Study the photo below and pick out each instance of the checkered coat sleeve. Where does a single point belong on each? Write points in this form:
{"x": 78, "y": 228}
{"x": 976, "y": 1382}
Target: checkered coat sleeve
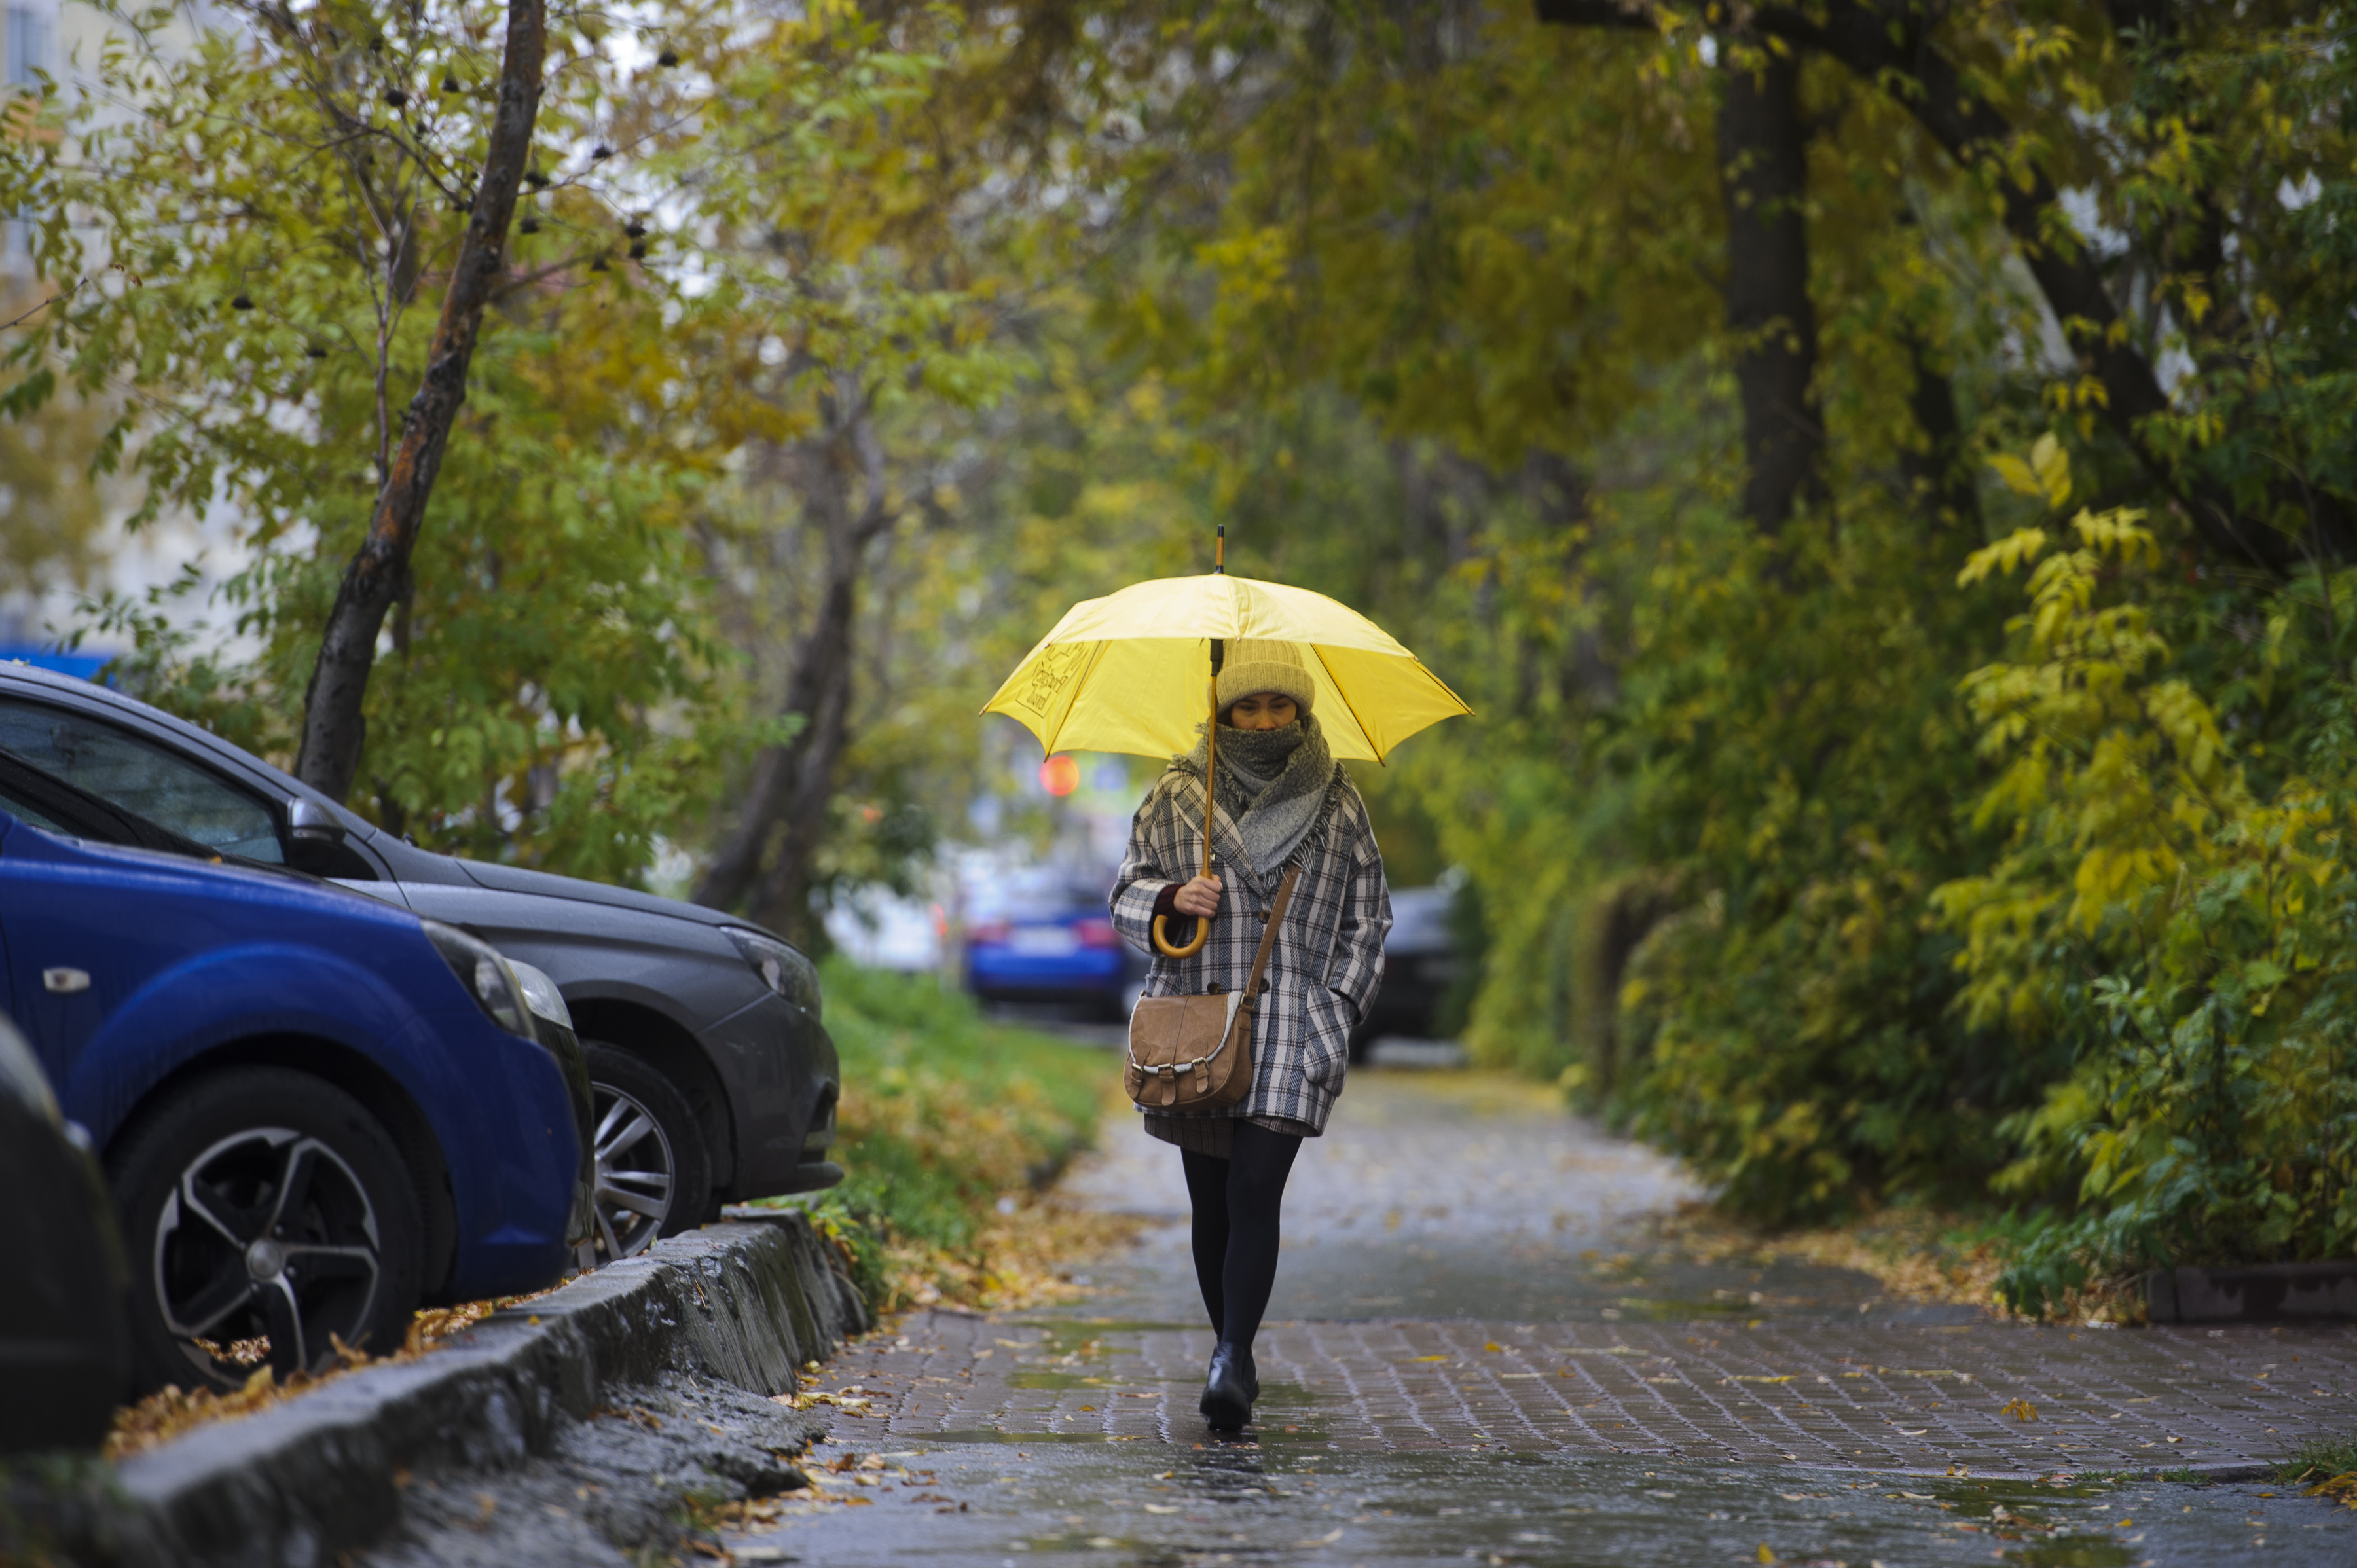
{"x": 1329, "y": 955}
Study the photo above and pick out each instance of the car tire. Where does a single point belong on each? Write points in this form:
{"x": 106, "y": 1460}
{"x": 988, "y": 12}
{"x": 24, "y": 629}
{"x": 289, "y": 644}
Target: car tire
{"x": 653, "y": 1175}
{"x": 266, "y": 1215}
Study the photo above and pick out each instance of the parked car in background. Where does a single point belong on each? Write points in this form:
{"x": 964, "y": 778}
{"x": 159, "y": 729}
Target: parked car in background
{"x": 314, "y": 1110}
{"x": 61, "y": 1337}
{"x": 714, "y": 1076}
{"x": 1421, "y": 965}
{"x": 1043, "y": 936}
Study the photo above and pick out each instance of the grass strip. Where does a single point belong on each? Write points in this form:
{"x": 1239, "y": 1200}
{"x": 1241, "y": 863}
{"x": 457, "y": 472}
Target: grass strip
{"x": 950, "y": 1130}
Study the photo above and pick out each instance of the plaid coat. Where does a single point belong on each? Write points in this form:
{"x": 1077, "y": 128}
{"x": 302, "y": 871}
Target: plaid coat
{"x": 1329, "y": 955}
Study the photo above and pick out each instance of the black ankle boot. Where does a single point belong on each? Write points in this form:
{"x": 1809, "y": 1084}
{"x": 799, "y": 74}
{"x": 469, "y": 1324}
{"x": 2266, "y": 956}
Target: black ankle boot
{"x": 1230, "y": 1390}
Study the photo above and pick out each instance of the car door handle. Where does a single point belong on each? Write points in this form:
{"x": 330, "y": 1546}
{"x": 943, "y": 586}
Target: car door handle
{"x": 65, "y": 982}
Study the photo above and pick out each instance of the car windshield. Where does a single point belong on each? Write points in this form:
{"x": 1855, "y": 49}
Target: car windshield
{"x": 143, "y": 778}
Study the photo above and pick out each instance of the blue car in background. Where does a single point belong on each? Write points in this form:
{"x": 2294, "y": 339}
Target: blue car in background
{"x": 316, "y": 1111}
{"x": 1046, "y": 940}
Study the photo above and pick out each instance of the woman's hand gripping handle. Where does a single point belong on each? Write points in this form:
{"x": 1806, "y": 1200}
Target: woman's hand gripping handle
{"x": 1200, "y": 897}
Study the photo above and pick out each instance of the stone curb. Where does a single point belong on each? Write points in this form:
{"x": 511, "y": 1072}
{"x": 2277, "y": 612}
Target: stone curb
{"x": 2254, "y": 1293}
{"x": 749, "y": 1302}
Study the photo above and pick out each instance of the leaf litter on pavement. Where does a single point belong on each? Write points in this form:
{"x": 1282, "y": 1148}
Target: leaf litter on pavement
{"x": 171, "y": 1411}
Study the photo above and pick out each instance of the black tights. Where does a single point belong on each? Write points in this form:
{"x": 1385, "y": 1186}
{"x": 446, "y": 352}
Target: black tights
{"x": 1235, "y": 1202}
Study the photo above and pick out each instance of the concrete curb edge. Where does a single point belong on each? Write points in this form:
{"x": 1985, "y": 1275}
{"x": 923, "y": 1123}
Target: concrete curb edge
{"x": 750, "y": 1301}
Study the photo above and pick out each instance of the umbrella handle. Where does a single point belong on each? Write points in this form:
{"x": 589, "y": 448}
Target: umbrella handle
{"x": 1163, "y": 944}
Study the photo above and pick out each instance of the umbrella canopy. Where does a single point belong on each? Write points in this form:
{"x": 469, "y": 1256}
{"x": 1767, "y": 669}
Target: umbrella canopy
{"x": 1131, "y": 672}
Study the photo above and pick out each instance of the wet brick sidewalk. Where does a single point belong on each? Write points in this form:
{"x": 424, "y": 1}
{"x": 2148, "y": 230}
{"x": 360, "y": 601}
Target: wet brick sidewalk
{"x": 1458, "y": 1194}
{"x": 1980, "y": 1399}
{"x": 1479, "y": 1352}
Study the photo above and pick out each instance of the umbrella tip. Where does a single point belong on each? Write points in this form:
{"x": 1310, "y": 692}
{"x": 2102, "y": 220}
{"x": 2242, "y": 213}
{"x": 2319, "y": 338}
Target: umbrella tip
{"x": 1220, "y": 554}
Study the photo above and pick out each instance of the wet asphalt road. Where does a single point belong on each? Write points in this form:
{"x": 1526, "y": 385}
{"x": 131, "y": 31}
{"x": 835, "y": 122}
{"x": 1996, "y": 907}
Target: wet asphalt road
{"x": 1475, "y": 1355}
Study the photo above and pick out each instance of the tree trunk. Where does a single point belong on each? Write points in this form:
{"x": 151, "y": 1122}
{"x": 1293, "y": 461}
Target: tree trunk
{"x": 792, "y": 784}
{"x": 1887, "y": 42}
{"x": 334, "y": 725}
{"x": 1936, "y": 474}
{"x": 1763, "y": 186}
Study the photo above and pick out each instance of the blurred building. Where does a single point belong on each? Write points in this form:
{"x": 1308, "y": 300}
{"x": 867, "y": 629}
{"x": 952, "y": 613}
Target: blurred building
{"x": 50, "y": 46}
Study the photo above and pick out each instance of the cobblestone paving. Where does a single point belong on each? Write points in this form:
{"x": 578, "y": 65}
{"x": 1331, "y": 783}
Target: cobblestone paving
{"x": 1983, "y": 1400}
{"x": 1452, "y": 1194}
{"x": 1479, "y": 1354}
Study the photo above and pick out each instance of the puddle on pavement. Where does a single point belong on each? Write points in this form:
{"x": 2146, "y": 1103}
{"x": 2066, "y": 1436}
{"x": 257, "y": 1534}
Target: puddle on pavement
{"x": 1077, "y": 1499}
{"x": 1048, "y": 1378}
{"x": 1020, "y": 1439}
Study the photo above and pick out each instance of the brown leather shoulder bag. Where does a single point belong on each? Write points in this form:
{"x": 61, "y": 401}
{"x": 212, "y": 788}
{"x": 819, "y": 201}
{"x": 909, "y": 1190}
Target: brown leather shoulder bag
{"x": 1194, "y": 1053}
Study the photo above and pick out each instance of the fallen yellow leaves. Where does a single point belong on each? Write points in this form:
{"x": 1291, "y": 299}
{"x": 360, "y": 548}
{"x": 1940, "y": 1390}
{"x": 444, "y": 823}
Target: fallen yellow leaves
{"x": 1024, "y": 1240}
{"x": 851, "y": 1401}
{"x": 2341, "y": 1489}
{"x": 170, "y": 1412}
{"x": 1902, "y": 1250}
{"x": 2020, "y": 1410}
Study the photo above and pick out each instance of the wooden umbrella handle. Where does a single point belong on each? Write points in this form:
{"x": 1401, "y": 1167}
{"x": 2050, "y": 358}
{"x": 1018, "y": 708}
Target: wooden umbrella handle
{"x": 1162, "y": 942}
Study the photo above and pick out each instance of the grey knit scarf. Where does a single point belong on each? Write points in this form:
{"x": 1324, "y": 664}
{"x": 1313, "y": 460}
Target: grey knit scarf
{"x": 1275, "y": 784}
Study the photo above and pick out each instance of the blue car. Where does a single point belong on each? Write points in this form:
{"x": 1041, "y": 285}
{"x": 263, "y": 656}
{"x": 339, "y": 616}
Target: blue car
{"x": 316, "y": 1111}
{"x": 1049, "y": 941}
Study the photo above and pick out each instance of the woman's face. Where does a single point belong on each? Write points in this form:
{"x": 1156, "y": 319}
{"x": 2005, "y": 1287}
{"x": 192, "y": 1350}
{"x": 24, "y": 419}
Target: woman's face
{"x": 1262, "y": 710}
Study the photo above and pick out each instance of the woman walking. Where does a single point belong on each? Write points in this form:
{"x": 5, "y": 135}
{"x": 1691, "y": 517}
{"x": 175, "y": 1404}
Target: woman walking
{"x": 1282, "y": 802}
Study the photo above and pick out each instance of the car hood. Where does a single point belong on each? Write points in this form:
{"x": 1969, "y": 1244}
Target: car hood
{"x": 548, "y": 884}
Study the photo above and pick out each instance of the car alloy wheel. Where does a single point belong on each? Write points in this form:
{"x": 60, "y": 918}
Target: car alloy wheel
{"x": 636, "y": 1173}
{"x": 267, "y": 1234}
{"x": 266, "y": 1213}
{"x": 652, "y": 1176}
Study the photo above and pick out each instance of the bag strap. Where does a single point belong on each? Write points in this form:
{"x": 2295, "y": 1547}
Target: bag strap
{"x": 1242, "y": 1001}
{"x": 1268, "y": 935}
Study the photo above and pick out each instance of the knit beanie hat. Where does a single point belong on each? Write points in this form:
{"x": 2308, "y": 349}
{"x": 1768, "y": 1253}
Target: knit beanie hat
{"x": 1256, "y": 664}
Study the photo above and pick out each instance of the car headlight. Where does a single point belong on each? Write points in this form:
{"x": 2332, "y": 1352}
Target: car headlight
{"x": 487, "y": 976}
{"x": 540, "y": 992}
{"x": 781, "y": 969}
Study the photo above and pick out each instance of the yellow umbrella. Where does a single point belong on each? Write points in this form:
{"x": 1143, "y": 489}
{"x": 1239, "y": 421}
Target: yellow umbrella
{"x": 1128, "y": 673}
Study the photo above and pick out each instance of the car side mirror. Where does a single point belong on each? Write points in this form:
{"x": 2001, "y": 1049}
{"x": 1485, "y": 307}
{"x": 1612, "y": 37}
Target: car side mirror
{"x": 309, "y": 820}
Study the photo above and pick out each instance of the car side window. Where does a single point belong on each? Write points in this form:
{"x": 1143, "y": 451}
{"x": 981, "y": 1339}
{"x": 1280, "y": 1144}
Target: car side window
{"x": 26, "y": 812}
{"x": 142, "y": 777}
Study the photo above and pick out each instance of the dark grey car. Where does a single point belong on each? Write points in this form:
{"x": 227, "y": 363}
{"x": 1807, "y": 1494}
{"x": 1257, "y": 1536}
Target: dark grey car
{"x": 714, "y": 1078}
